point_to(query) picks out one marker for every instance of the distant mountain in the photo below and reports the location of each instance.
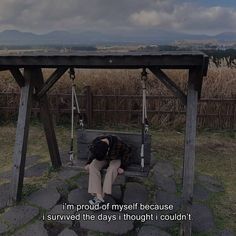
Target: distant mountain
(17, 37)
(147, 36)
(226, 36)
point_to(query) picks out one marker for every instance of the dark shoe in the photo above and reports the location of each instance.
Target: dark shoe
(96, 201)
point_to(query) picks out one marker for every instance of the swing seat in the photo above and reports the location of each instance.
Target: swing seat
(85, 138)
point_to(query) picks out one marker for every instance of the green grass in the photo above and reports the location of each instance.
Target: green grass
(37, 143)
(29, 188)
(215, 156)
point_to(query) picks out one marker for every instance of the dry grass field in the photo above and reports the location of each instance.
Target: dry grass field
(219, 83)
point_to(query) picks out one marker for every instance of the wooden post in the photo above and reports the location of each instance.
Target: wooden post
(234, 117)
(174, 112)
(89, 106)
(189, 152)
(22, 131)
(116, 108)
(57, 108)
(47, 120)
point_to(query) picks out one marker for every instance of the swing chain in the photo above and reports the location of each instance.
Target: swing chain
(76, 105)
(144, 75)
(144, 117)
(144, 78)
(72, 74)
(81, 123)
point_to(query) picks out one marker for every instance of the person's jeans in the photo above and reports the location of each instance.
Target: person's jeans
(95, 180)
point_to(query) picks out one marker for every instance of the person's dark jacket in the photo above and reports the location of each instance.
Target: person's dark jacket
(118, 150)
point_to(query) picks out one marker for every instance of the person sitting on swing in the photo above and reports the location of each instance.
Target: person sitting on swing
(106, 151)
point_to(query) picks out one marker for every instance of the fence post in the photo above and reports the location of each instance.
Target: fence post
(234, 117)
(89, 105)
(57, 112)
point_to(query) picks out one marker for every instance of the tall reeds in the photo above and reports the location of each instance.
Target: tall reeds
(219, 83)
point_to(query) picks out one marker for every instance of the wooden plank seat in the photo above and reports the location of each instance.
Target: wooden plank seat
(85, 138)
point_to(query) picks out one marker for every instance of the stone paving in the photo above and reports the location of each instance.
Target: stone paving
(120, 227)
(19, 215)
(34, 229)
(69, 187)
(37, 170)
(153, 231)
(4, 190)
(44, 198)
(202, 218)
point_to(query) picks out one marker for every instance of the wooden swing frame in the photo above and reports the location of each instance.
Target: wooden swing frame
(32, 80)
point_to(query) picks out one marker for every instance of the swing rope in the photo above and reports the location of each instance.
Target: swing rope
(145, 126)
(74, 106)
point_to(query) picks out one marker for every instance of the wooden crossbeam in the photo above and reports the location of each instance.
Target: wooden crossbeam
(169, 84)
(47, 120)
(22, 131)
(56, 75)
(135, 60)
(19, 78)
(189, 152)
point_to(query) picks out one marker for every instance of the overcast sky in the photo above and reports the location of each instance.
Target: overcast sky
(40, 16)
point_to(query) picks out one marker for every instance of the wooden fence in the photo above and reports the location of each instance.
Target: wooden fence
(163, 111)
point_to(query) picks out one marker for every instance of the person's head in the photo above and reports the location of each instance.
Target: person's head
(99, 150)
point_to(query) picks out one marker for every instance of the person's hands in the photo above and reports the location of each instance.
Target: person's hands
(120, 171)
(86, 167)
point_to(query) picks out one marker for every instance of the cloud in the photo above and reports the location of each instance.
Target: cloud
(188, 17)
(105, 15)
(152, 18)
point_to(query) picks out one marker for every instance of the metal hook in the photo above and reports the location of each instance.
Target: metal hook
(72, 73)
(144, 75)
